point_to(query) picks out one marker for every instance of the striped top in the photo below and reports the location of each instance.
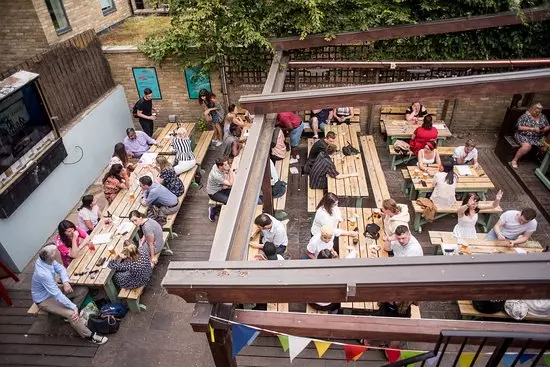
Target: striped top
(183, 149)
(343, 111)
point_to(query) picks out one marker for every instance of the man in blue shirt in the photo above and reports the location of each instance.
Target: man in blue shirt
(158, 195)
(49, 298)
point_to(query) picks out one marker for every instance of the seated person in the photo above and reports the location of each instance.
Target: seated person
(515, 226)
(444, 187)
(467, 215)
(152, 233)
(113, 182)
(325, 240)
(394, 215)
(49, 298)
(120, 156)
(423, 134)
(132, 266)
(232, 142)
(415, 112)
(404, 244)
(88, 213)
(269, 252)
(185, 158)
(229, 119)
(218, 186)
(343, 115)
(466, 154)
(324, 166)
(532, 128)
(320, 119)
(168, 177)
(318, 147)
(326, 306)
(155, 194)
(272, 231)
(328, 213)
(278, 149)
(69, 241)
(429, 156)
(137, 142)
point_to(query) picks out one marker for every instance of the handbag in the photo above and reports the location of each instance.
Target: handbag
(401, 147)
(278, 189)
(372, 231)
(349, 150)
(488, 307)
(103, 325)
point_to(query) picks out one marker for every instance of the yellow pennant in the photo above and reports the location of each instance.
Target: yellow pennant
(211, 333)
(322, 347)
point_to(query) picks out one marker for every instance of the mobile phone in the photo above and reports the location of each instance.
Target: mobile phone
(100, 261)
(423, 183)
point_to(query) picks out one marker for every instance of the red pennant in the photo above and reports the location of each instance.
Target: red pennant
(393, 355)
(353, 352)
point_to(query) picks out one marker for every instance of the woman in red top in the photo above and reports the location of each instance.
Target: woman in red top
(423, 134)
(69, 241)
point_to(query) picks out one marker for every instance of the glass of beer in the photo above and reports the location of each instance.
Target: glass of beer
(111, 249)
(132, 196)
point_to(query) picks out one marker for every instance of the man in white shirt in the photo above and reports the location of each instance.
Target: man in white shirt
(325, 240)
(403, 243)
(272, 230)
(515, 226)
(466, 154)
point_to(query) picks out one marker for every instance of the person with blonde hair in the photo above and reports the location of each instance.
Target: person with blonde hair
(185, 158)
(168, 176)
(532, 128)
(466, 154)
(325, 240)
(132, 266)
(394, 215)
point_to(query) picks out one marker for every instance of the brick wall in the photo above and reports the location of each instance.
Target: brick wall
(82, 15)
(175, 99)
(21, 35)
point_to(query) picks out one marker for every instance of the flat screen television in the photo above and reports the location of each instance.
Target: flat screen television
(23, 123)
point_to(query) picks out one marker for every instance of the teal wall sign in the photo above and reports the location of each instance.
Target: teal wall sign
(196, 82)
(147, 78)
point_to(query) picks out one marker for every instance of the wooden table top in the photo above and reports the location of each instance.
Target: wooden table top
(164, 138)
(404, 128)
(478, 181)
(482, 245)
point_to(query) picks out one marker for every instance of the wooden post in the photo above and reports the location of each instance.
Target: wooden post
(221, 348)
(266, 189)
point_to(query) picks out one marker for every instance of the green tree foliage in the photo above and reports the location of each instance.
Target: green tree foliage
(205, 31)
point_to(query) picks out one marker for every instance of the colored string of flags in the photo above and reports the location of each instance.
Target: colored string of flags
(244, 335)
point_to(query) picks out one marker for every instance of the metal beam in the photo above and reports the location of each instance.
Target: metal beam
(439, 278)
(433, 89)
(412, 30)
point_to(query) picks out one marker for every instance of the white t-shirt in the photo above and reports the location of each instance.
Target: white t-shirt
(87, 214)
(511, 228)
(274, 174)
(276, 234)
(412, 248)
(443, 195)
(459, 152)
(317, 245)
(322, 218)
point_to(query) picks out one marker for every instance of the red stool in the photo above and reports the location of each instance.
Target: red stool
(6, 273)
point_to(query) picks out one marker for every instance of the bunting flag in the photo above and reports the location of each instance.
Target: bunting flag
(509, 358)
(430, 362)
(242, 336)
(526, 357)
(546, 359)
(212, 339)
(466, 359)
(392, 355)
(408, 354)
(354, 352)
(321, 347)
(296, 344)
(283, 339)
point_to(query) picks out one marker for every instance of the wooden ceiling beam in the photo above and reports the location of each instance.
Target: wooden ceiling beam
(413, 30)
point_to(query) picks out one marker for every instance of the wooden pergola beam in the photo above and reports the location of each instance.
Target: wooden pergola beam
(433, 89)
(440, 278)
(452, 25)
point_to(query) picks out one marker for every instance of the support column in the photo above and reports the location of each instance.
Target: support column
(266, 189)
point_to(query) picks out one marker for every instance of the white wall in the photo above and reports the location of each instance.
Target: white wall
(26, 230)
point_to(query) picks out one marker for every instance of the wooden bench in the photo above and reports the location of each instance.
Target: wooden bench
(376, 175)
(467, 310)
(310, 309)
(282, 167)
(397, 159)
(393, 112)
(485, 216)
(306, 118)
(34, 310)
(132, 296)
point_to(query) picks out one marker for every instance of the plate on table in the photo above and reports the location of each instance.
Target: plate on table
(449, 248)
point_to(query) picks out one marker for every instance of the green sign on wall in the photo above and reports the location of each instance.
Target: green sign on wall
(196, 82)
(147, 78)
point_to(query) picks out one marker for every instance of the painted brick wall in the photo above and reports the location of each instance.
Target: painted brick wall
(82, 15)
(175, 99)
(21, 35)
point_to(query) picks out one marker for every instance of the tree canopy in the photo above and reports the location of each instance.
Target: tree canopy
(202, 32)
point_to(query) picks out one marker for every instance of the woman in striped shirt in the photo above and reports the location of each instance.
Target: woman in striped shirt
(185, 159)
(343, 115)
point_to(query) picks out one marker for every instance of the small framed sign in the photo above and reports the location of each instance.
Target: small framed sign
(147, 78)
(196, 81)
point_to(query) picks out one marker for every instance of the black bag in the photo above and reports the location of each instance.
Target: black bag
(372, 231)
(103, 325)
(278, 189)
(489, 307)
(135, 109)
(349, 150)
(198, 177)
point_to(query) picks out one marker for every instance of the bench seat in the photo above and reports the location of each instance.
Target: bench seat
(376, 175)
(467, 310)
(282, 166)
(34, 310)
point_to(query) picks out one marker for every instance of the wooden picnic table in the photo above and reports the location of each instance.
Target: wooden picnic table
(479, 182)
(164, 138)
(480, 245)
(403, 129)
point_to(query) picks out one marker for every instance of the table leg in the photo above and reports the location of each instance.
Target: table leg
(482, 195)
(110, 290)
(417, 227)
(540, 172)
(440, 141)
(393, 164)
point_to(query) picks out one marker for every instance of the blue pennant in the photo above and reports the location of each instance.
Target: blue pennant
(241, 336)
(526, 357)
(509, 358)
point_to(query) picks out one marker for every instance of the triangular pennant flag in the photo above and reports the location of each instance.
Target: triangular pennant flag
(508, 359)
(546, 359)
(321, 346)
(296, 345)
(283, 339)
(392, 355)
(465, 359)
(241, 335)
(408, 354)
(526, 357)
(431, 361)
(212, 339)
(354, 352)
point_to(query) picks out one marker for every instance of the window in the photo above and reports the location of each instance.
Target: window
(58, 15)
(107, 6)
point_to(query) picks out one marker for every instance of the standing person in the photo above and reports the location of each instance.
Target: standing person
(394, 215)
(404, 244)
(466, 154)
(515, 226)
(69, 241)
(144, 111)
(319, 120)
(168, 177)
(214, 113)
(532, 127)
(343, 115)
(324, 166)
(328, 213)
(444, 187)
(292, 125)
(49, 298)
(415, 112)
(137, 142)
(152, 233)
(467, 215)
(88, 213)
(272, 230)
(218, 186)
(423, 134)
(132, 266)
(185, 158)
(325, 240)
(113, 182)
(155, 194)
(318, 147)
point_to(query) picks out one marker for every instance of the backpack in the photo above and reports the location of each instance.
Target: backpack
(135, 109)
(117, 310)
(349, 150)
(278, 189)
